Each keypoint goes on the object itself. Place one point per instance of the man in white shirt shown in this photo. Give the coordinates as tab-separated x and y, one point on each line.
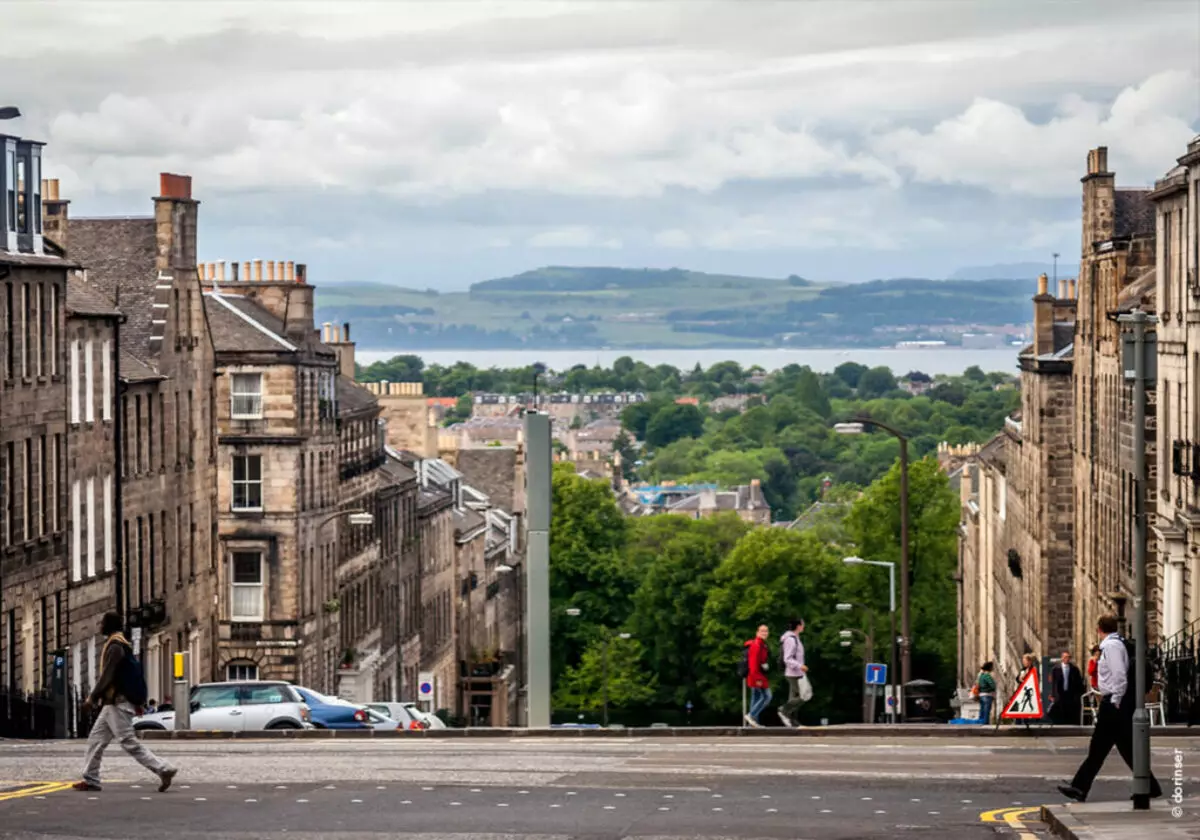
1114	718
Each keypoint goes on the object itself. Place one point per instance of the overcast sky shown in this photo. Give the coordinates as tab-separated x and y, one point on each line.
436	144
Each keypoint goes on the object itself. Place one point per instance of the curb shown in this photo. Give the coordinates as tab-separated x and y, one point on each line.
655	733
1064	824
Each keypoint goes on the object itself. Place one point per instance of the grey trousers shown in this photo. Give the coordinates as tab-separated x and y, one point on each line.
115	723
794	702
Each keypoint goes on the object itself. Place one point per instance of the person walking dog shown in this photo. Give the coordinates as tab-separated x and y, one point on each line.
120	692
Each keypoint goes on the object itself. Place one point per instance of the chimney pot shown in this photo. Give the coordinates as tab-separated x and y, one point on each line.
233	267
247	276
301	273
175	186
325	328
212	272
291	271
346	332
1071	290
1062	289
1043	282
221	270
258	271
54	188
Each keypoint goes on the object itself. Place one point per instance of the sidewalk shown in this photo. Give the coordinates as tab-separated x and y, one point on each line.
1118	820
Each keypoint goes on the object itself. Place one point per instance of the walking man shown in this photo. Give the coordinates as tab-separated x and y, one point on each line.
757	655
120	692
1114	718
796	672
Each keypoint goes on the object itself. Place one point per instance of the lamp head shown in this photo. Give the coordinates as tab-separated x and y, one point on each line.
849	428
574	612
853	561
846	634
844	607
362	518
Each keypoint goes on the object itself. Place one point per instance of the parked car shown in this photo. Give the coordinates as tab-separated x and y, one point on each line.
249	706
430	720
399	712
336	713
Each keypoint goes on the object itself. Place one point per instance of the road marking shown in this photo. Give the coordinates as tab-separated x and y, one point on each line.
35	789
1014	818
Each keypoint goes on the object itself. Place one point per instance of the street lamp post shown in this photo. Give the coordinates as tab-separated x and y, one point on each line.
868	696
891	567
858	427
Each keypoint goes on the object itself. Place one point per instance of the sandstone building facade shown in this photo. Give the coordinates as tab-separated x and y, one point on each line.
1176	198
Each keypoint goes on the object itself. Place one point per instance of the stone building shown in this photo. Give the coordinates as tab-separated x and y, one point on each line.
277	488
436	592
166	525
33	427
1117	265
1016	592
1177	208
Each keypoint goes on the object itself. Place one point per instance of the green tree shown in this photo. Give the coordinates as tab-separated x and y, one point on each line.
674	422
876	382
629	684
772	575
676	558
850	372
462	410
588	569
874	524
811	395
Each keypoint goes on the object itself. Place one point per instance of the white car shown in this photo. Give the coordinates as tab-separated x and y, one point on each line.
431	720
406	717
250	706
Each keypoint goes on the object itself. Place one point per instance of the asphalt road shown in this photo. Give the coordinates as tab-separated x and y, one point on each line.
553	788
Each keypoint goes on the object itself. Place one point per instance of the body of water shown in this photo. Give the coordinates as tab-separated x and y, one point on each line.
944	360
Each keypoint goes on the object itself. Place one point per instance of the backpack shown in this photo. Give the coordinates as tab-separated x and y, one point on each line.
131	679
743	668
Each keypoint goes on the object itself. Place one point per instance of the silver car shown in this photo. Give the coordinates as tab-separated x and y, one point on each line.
246	706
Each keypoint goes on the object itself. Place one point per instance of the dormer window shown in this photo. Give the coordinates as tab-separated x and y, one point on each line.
20	195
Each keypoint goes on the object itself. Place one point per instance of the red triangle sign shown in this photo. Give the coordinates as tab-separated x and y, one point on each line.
1026	702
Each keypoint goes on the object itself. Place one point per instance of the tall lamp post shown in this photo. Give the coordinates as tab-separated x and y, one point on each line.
891	567
869	636
856	428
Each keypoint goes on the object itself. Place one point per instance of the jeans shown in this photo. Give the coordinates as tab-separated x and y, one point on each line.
985	708
115	723
760	698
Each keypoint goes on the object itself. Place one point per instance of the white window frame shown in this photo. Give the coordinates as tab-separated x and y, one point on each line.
53	321
76	533
91	658
246	396
108	523
89	384
91	527
106	386
1002	492
247	482
74	374
247	587
241	672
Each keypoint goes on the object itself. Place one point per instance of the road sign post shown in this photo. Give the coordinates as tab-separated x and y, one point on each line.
425	690
876	673
183	692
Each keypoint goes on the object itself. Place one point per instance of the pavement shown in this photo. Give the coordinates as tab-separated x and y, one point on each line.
557	789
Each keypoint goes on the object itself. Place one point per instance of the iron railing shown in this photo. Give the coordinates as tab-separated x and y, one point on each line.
1177	669
43	715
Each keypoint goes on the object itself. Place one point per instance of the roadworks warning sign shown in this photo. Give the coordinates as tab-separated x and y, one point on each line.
1026	702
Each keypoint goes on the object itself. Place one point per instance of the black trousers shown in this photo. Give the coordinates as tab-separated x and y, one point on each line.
1114	728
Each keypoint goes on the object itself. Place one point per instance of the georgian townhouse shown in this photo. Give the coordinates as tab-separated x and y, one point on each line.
33	426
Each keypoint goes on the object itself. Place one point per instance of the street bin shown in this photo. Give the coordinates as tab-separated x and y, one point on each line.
920	701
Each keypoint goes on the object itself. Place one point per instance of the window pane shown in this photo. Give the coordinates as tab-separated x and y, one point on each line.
239	468
254	467
259	694
215	698
247	601
247	567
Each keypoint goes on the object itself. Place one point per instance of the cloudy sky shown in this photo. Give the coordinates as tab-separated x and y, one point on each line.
436	144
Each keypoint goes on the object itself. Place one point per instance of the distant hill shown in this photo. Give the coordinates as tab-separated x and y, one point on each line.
1007	271
561	306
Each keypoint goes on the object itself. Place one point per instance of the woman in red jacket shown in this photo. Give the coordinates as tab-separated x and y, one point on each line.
757	655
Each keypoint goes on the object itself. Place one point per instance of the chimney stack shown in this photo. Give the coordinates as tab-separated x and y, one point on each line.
1070	290
1062	289
175	217
54	214
258	274
1043	319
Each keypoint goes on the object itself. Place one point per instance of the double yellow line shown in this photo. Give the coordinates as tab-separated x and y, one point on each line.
35	789
1014	818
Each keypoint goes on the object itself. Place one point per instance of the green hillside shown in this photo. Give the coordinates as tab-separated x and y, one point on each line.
640	308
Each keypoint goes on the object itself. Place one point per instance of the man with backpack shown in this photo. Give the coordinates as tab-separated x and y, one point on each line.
1114	717
120	692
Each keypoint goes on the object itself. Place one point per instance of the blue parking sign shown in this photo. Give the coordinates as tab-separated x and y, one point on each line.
876	674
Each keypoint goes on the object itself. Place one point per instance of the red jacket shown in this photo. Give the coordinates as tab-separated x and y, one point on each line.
759	654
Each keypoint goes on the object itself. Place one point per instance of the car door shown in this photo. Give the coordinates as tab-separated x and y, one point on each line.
217	707
262	704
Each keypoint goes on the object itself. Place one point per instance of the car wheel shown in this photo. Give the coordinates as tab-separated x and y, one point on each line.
283	724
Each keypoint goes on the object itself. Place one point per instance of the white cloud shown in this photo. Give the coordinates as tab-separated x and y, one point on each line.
658	112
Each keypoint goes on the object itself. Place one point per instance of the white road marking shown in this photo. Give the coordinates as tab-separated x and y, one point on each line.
355	801
231	787
301	800
610	807
405	801
556	805
718	809
455	803
146	799
619	795
201	799
663	808
772	810
881	812
501	804
251	800
826	811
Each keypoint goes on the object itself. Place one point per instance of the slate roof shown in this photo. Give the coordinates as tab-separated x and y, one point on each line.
1133	213
466	520
353	398
119	256
744	497
1141	292
134	369
234	332
86	300
395	471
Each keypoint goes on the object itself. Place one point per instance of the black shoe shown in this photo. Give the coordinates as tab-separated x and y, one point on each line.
165	779
1072	792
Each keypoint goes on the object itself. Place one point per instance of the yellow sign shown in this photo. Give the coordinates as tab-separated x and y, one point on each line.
179	666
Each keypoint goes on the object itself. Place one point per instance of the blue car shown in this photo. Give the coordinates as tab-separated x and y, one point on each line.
333	713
